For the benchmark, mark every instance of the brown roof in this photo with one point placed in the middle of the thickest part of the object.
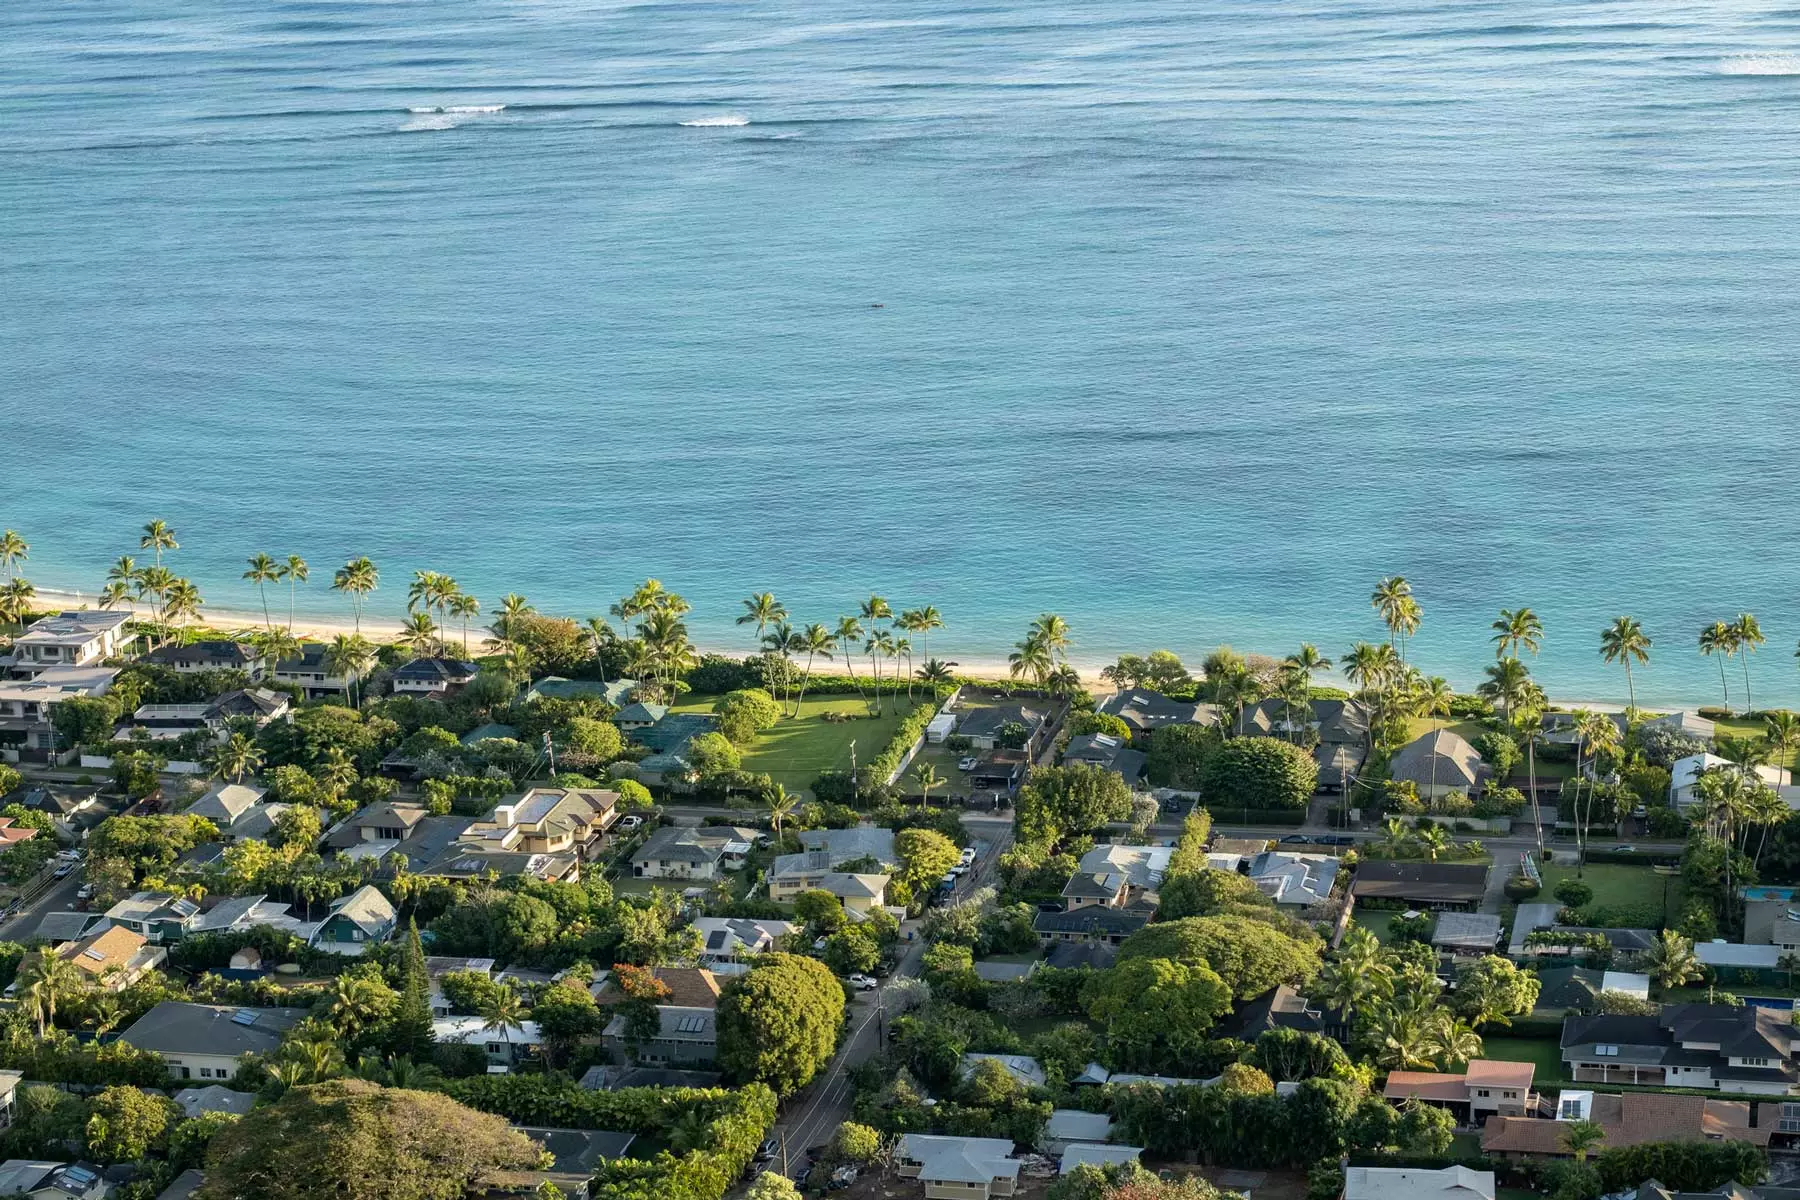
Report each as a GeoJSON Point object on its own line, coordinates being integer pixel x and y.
{"type": "Point", "coordinates": [1631, 1119]}
{"type": "Point", "coordinates": [101, 952]}
{"type": "Point", "coordinates": [1425, 1085]}
{"type": "Point", "coordinates": [689, 987]}
{"type": "Point", "coordinates": [1484, 1072]}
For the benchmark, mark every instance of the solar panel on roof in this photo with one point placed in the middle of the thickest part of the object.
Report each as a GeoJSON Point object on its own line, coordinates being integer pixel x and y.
{"type": "Point", "coordinates": [243, 1016]}
{"type": "Point", "coordinates": [716, 939]}
{"type": "Point", "coordinates": [94, 954]}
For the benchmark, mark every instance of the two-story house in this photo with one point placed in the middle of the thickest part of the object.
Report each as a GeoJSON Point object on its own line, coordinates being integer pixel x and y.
{"type": "Point", "coordinates": [1107, 752]}
{"type": "Point", "coordinates": [554, 820]}
{"type": "Point", "coordinates": [113, 958]}
{"type": "Point", "coordinates": [310, 672]}
{"type": "Point", "coordinates": [498, 852]}
{"type": "Point", "coordinates": [74, 638]}
{"type": "Point", "coordinates": [680, 852]}
{"type": "Point", "coordinates": [1484, 1089]}
{"type": "Point", "coordinates": [434, 677]}
{"type": "Point", "coordinates": [219, 654]}
{"type": "Point", "coordinates": [355, 922]}
{"type": "Point", "coordinates": [686, 1032]}
{"type": "Point", "coordinates": [1708, 1046]}
{"type": "Point", "coordinates": [205, 1041]}
{"type": "Point", "coordinates": [727, 944]}
{"type": "Point", "coordinates": [27, 733]}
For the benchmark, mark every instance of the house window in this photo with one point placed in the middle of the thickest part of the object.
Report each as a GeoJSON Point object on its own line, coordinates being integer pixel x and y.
{"type": "Point", "coordinates": [1606, 1051]}
{"type": "Point", "coordinates": [1482, 1092]}
{"type": "Point", "coordinates": [1756, 1062]}
{"type": "Point", "coordinates": [1790, 1118]}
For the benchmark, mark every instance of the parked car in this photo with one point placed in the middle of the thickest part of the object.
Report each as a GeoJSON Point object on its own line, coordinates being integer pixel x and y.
{"type": "Point", "coordinates": [85, 892]}
{"type": "Point", "coordinates": [1640, 812]}
{"type": "Point", "coordinates": [1335, 839]}
{"type": "Point", "coordinates": [967, 764]}
{"type": "Point", "coordinates": [69, 855]}
{"type": "Point", "coordinates": [1624, 849]}
{"type": "Point", "coordinates": [862, 983]}
{"type": "Point", "coordinates": [843, 1177]}
{"type": "Point", "coordinates": [626, 823]}
{"type": "Point", "coordinates": [1296, 839]}
{"type": "Point", "coordinates": [768, 1150]}
{"type": "Point", "coordinates": [62, 872]}
{"type": "Point", "coordinates": [968, 855]}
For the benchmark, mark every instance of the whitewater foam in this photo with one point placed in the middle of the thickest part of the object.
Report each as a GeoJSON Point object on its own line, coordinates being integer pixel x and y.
{"type": "Point", "coordinates": [458, 109]}
{"type": "Point", "coordinates": [725, 121]}
{"type": "Point", "coordinates": [1760, 64]}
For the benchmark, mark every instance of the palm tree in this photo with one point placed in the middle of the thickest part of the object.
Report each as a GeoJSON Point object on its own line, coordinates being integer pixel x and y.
{"type": "Point", "coordinates": [1516, 629]}
{"type": "Point", "coordinates": [349, 657]}
{"type": "Point", "coordinates": [15, 599]}
{"type": "Point", "coordinates": [602, 635]}
{"type": "Point", "coordinates": [1784, 731]}
{"type": "Point", "coordinates": [51, 978]}
{"type": "Point", "coordinates": [1748, 635]}
{"type": "Point", "coordinates": [1717, 640]}
{"type": "Point", "coordinates": [1393, 599]}
{"type": "Point", "coordinates": [1788, 962]}
{"type": "Point", "coordinates": [1030, 658]}
{"type": "Point", "coordinates": [263, 571]}
{"type": "Point", "coordinates": [924, 621]}
{"type": "Point", "coordinates": [1305, 661]}
{"type": "Point", "coordinates": [335, 771]}
{"type": "Point", "coordinates": [815, 639]}
{"type": "Point", "coordinates": [356, 579]}
{"type": "Point", "coordinates": [237, 756]}
{"type": "Point", "coordinates": [512, 607]}
{"type": "Point", "coordinates": [903, 650]}
{"type": "Point", "coordinates": [1595, 734]}
{"type": "Point", "coordinates": [183, 602]}
{"type": "Point", "coordinates": [13, 550]}
{"type": "Point", "coordinates": [1434, 841]}
{"type": "Point", "coordinates": [501, 1011]}
{"type": "Point", "coordinates": [1452, 1041]}
{"type": "Point", "coordinates": [1357, 975]}
{"type": "Point", "coordinates": [154, 583]}
{"type": "Point", "coordinates": [465, 606]}
{"type": "Point", "coordinates": [1395, 837]}
{"type": "Point", "coordinates": [158, 537]}
{"type": "Point", "coordinates": [276, 645]}
{"type": "Point", "coordinates": [115, 593]}
{"type": "Point", "coordinates": [762, 610]}
{"type": "Point", "coordinates": [1402, 1040]}
{"type": "Point", "coordinates": [420, 633]}
{"type": "Point", "coordinates": [1671, 961]}
{"type": "Point", "coordinates": [879, 646]}
{"type": "Point", "coordinates": [1053, 632]}
{"type": "Point", "coordinates": [850, 631]}
{"type": "Point", "coordinates": [356, 1004]}
{"type": "Point", "coordinates": [1579, 1137]}
{"type": "Point", "coordinates": [935, 671]}
{"type": "Point", "coordinates": [1621, 642]}
{"type": "Point", "coordinates": [926, 777]}
{"type": "Point", "coordinates": [294, 571]}
{"type": "Point", "coordinates": [1505, 684]}
{"type": "Point", "coordinates": [783, 643]}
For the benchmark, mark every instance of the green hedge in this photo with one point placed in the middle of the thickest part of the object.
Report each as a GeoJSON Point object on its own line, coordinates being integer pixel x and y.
{"type": "Point", "coordinates": [1635, 858]}
{"type": "Point", "coordinates": [912, 728]}
{"type": "Point", "coordinates": [1525, 1027]}
{"type": "Point", "coordinates": [736, 1121]}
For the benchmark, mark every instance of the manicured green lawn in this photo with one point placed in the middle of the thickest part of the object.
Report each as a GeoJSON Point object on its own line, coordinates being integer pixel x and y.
{"type": "Point", "coordinates": [797, 750]}
{"type": "Point", "coordinates": [1755, 730]}
{"type": "Point", "coordinates": [1543, 1052]}
{"type": "Point", "coordinates": [1419, 726]}
{"type": "Point", "coordinates": [1376, 923]}
{"type": "Point", "coordinates": [1616, 885]}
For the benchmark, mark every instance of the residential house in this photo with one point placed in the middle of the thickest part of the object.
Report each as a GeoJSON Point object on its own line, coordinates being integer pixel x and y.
{"type": "Point", "coordinates": [61, 803]}
{"type": "Point", "coordinates": [235, 914]}
{"type": "Point", "coordinates": [615, 1078]}
{"type": "Point", "coordinates": [958, 1168]}
{"type": "Point", "coordinates": [1421, 884]}
{"type": "Point", "coordinates": [184, 1185]}
{"type": "Point", "coordinates": [1028, 1071]}
{"type": "Point", "coordinates": [355, 922]}
{"type": "Point", "coordinates": [113, 958]}
{"type": "Point", "coordinates": [860, 893]}
{"type": "Point", "coordinates": [1145, 711]}
{"type": "Point", "coordinates": [1652, 1189]}
{"type": "Point", "coordinates": [1067, 954]}
{"type": "Point", "coordinates": [27, 733]}
{"type": "Point", "coordinates": [437, 966]}
{"type": "Point", "coordinates": [1690, 723]}
{"type": "Point", "coordinates": [1090, 923]}
{"type": "Point", "coordinates": [1342, 727]}
{"type": "Point", "coordinates": [999, 771]}
{"type": "Point", "coordinates": [60, 928]}
{"type": "Point", "coordinates": [433, 677]}
{"type": "Point", "coordinates": [1437, 764]}
{"type": "Point", "coordinates": [507, 1047]}
{"type": "Point", "coordinates": [1685, 775]}
{"type": "Point", "coordinates": [73, 638]}
{"type": "Point", "coordinates": [983, 726]}
{"type": "Point", "coordinates": [1628, 1119]}
{"type": "Point", "coordinates": [489, 730]}
{"type": "Point", "coordinates": [198, 1101]}
{"type": "Point", "coordinates": [639, 716]}
{"type": "Point", "coordinates": [205, 1041]}
{"type": "Point", "coordinates": [1106, 752]}
{"type": "Point", "coordinates": [1140, 867]}
{"type": "Point", "coordinates": [579, 1150]}
{"type": "Point", "coordinates": [496, 854]}
{"type": "Point", "coordinates": [848, 845]}
{"type": "Point", "coordinates": [1705, 1046]}
{"type": "Point", "coordinates": [12, 834]}
{"type": "Point", "coordinates": [1771, 916]}
{"type": "Point", "coordinates": [530, 1185]}
{"type": "Point", "coordinates": [727, 944]}
{"type": "Point", "coordinates": [1530, 918]}
{"type": "Point", "coordinates": [667, 740]}
{"type": "Point", "coordinates": [311, 672]}
{"type": "Point", "coordinates": [226, 804]}
{"type": "Point", "coordinates": [218, 654]}
{"type": "Point", "coordinates": [683, 852]}
{"type": "Point", "coordinates": [1417, 1183]}
{"type": "Point", "coordinates": [376, 830]}
{"type": "Point", "coordinates": [1071, 1126]}
{"type": "Point", "coordinates": [615, 692]}
{"type": "Point", "coordinates": [158, 917]}
{"type": "Point", "coordinates": [1298, 880]}
{"type": "Point", "coordinates": [553, 820]}
{"type": "Point", "coordinates": [1283, 1007]}
{"type": "Point", "coordinates": [41, 1180]}
{"type": "Point", "coordinates": [167, 722]}
{"type": "Point", "coordinates": [1483, 1089]}
{"type": "Point", "coordinates": [686, 1032]}
{"type": "Point", "coordinates": [9, 1085]}
{"type": "Point", "coordinates": [1466, 933]}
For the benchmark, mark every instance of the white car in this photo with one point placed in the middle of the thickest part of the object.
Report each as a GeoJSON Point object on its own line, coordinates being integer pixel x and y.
{"type": "Point", "coordinates": [967, 764]}
{"type": "Point", "coordinates": [630, 822]}
{"type": "Point", "coordinates": [862, 983]}
{"type": "Point", "coordinates": [968, 855]}
{"type": "Point", "coordinates": [959, 870]}
{"type": "Point", "coordinates": [85, 892]}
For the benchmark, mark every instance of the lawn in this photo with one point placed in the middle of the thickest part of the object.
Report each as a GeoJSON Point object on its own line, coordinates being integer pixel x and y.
{"type": "Point", "coordinates": [1617, 885]}
{"type": "Point", "coordinates": [1755, 730]}
{"type": "Point", "coordinates": [1543, 1052]}
{"type": "Point", "coordinates": [1417, 727]}
{"type": "Point", "coordinates": [1376, 923]}
{"type": "Point", "coordinates": [797, 750]}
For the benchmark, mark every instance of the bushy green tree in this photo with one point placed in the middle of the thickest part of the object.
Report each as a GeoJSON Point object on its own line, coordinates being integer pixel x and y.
{"type": "Point", "coordinates": [125, 1123]}
{"type": "Point", "coordinates": [745, 713]}
{"type": "Point", "coordinates": [778, 1021]}
{"type": "Point", "coordinates": [713, 754]}
{"type": "Point", "coordinates": [924, 857]}
{"type": "Point", "coordinates": [1060, 801]}
{"type": "Point", "coordinates": [1259, 772]}
{"type": "Point", "coordinates": [598, 740]}
{"type": "Point", "coordinates": [1250, 956]}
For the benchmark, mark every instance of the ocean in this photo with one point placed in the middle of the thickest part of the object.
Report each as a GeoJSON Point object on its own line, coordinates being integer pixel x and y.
{"type": "Point", "coordinates": [1186, 321]}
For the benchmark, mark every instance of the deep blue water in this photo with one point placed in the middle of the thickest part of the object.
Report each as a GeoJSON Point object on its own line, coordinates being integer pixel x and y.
{"type": "Point", "coordinates": [1197, 318]}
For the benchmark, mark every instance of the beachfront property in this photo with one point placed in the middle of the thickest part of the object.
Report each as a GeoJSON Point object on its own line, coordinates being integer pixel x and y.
{"type": "Point", "coordinates": [1145, 711]}
{"type": "Point", "coordinates": [73, 638]}
{"type": "Point", "coordinates": [213, 718]}
{"type": "Point", "coordinates": [1439, 763]}
{"type": "Point", "coordinates": [433, 676]}
{"type": "Point", "coordinates": [984, 726]}
{"type": "Point", "coordinates": [27, 734]}
{"type": "Point", "coordinates": [210, 654]}
{"type": "Point", "coordinates": [311, 672]}
{"type": "Point", "coordinates": [1685, 775]}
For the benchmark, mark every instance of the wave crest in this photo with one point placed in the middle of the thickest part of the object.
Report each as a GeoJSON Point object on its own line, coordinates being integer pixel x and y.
{"type": "Point", "coordinates": [1760, 64]}
{"type": "Point", "coordinates": [457, 109]}
{"type": "Point", "coordinates": [723, 121]}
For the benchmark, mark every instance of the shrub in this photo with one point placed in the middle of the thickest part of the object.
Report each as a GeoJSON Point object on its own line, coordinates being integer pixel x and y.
{"type": "Point", "coordinates": [1498, 751]}
{"type": "Point", "coordinates": [1519, 888]}
{"type": "Point", "coordinates": [745, 713]}
{"type": "Point", "coordinates": [1574, 893]}
{"type": "Point", "coordinates": [1261, 773]}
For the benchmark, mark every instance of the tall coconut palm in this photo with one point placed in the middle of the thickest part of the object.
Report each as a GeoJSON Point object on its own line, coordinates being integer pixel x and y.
{"type": "Point", "coordinates": [349, 657]}
{"type": "Point", "coordinates": [1402, 1040]}
{"type": "Point", "coordinates": [1053, 632]}
{"type": "Point", "coordinates": [158, 537]}
{"type": "Point", "coordinates": [1622, 642]}
{"type": "Point", "coordinates": [13, 551]}
{"type": "Point", "coordinates": [924, 621]}
{"type": "Point", "coordinates": [1517, 629]}
{"type": "Point", "coordinates": [815, 640]}
{"type": "Point", "coordinates": [182, 603]}
{"type": "Point", "coordinates": [780, 804]}
{"type": "Point", "coordinates": [1357, 976]}
{"type": "Point", "coordinates": [935, 671]}
{"type": "Point", "coordinates": [15, 599]}
{"type": "Point", "coordinates": [1452, 1041]}
{"type": "Point", "coordinates": [783, 642]}
{"type": "Point", "coordinates": [663, 630]}
{"type": "Point", "coordinates": [263, 571]}
{"type": "Point", "coordinates": [275, 645]}
{"type": "Point", "coordinates": [925, 778]}
{"type": "Point", "coordinates": [602, 635]}
{"type": "Point", "coordinates": [848, 633]}
{"type": "Point", "coordinates": [356, 579]}
{"type": "Point", "coordinates": [50, 979]}
{"type": "Point", "coordinates": [762, 610]}
{"type": "Point", "coordinates": [1393, 599]}
{"type": "Point", "coordinates": [236, 757]}
{"type": "Point", "coordinates": [1306, 661]}
{"type": "Point", "coordinates": [1747, 634]}
{"type": "Point", "coordinates": [903, 651]}
{"type": "Point", "coordinates": [1718, 641]}
{"type": "Point", "coordinates": [464, 606]}
{"type": "Point", "coordinates": [1505, 684]}
{"type": "Point", "coordinates": [124, 571]}
{"type": "Point", "coordinates": [1030, 659]}
{"type": "Point", "coordinates": [879, 646]}
{"type": "Point", "coordinates": [115, 594]}
{"type": "Point", "coordinates": [154, 584]}
{"type": "Point", "coordinates": [1595, 734]}
{"type": "Point", "coordinates": [1784, 730]}
{"type": "Point", "coordinates": [295, 571]}
{"type": "Point", "coordinates": [512, 607]}
{"type": "Point", "coordinates": [1526, 713]}
{"type": "Point", "coordinates": [419, 634]}
{"type": "Point", "coordinates": [1671, 962]}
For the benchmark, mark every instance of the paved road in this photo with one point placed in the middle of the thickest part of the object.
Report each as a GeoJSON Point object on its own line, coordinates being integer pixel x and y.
{"type": "Point", "coordinates": [58, 897]}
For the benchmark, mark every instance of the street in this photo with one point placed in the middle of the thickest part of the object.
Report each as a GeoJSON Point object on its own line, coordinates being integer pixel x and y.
{"type": "Point", "coordinates": [58, 897]}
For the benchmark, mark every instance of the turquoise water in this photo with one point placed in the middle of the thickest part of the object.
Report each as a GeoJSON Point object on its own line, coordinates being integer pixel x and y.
{"type": "Point", "coordinates": [1195, 318]}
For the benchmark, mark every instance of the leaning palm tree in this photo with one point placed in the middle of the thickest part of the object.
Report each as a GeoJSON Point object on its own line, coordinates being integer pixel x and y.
{"type": "Point", "coordinates": [1053, 632]}
{"type": "Point", "coordinates": [295, 571]}
{"type": "Point", "coordinates": [1747, 634]}
{"type": "Point", "coordinates": [815, 639]}
{"type": "Point", "coordinates": [780, 804]}
{"type": "Point", "coordinates": [1516, 629]}
{"type": "Point", "coordinates": [762, 610]}
{"type": "Point", "coordinates": [925, 777]}
{"type": "Point", "coordinates": [1621, 642]}
{"type": "Point", "coordinates": [13, 550]}
{"type": "Point", "coordinates": [1783, 730]}
{"type": "Point", "coordinates": [356, 579]}
{"type": "Point", "coordinates": [114, 594]}
{"type": "Point", "coordinates": [183, 602]}
{"type": "Point", "coordinates": [236, 757]}
{"type": "Point", "coordinates": [158, 537]}
{"type": "Point", "coordinates": [1393, 599]}
{"type": "Point", "coordinates": [263, 571]}
{"type": "Point", "coordinates": [15, 599]}
{"type": "Point", "coordinates": [1718, 641]}
{"type": "Point", "coordinates": [349, 657]}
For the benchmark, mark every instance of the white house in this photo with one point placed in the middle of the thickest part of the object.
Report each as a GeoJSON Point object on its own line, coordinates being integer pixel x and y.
{"type": "Point", "coordinates": [958, 1168]}
{"type": "Point", "coordinates": [503, 1046]}
{"type": "Point", "coordinates": [1412, 1183]}
{"type": "Point", "coordinates": [26, 731]}
{"type": "Point", "coordinates": [74, 638]}
{"type": "Point", "coordinates": [727, 944]}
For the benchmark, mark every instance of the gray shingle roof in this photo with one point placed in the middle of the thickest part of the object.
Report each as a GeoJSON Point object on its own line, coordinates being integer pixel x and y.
{"type": "Point", "coordinates": [176, 1027]}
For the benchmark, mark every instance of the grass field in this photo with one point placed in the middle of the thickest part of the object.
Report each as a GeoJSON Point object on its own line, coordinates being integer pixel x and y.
{"type": "Point", "coordinates": [1543, 1052]}
{"type": "Point", "coordinates": [798, 749]}
{"type": "Point", "coordinates": [1419, 726]}
{"type": "Point", "coordinates": [1617, 885]}
{"type": "Point", "coordinates": [1755, 730]}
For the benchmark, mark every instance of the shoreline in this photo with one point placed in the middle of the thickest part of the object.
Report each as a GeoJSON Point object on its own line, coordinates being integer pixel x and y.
{"type": "Point", "coordinates": [384, 629]}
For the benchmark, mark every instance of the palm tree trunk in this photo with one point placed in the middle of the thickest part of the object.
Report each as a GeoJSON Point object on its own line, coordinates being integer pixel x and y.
{"type": "Point", "coordinates": [1630, 691]}
{"type": "Point", "coordinates": [1748, 707]}
{"type": "Point", "coordinates": [1726, 692]}
{"type": "Point", "coordinates": [805, 680]}
{"type": "Point", "coordinates": [263, 591]}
